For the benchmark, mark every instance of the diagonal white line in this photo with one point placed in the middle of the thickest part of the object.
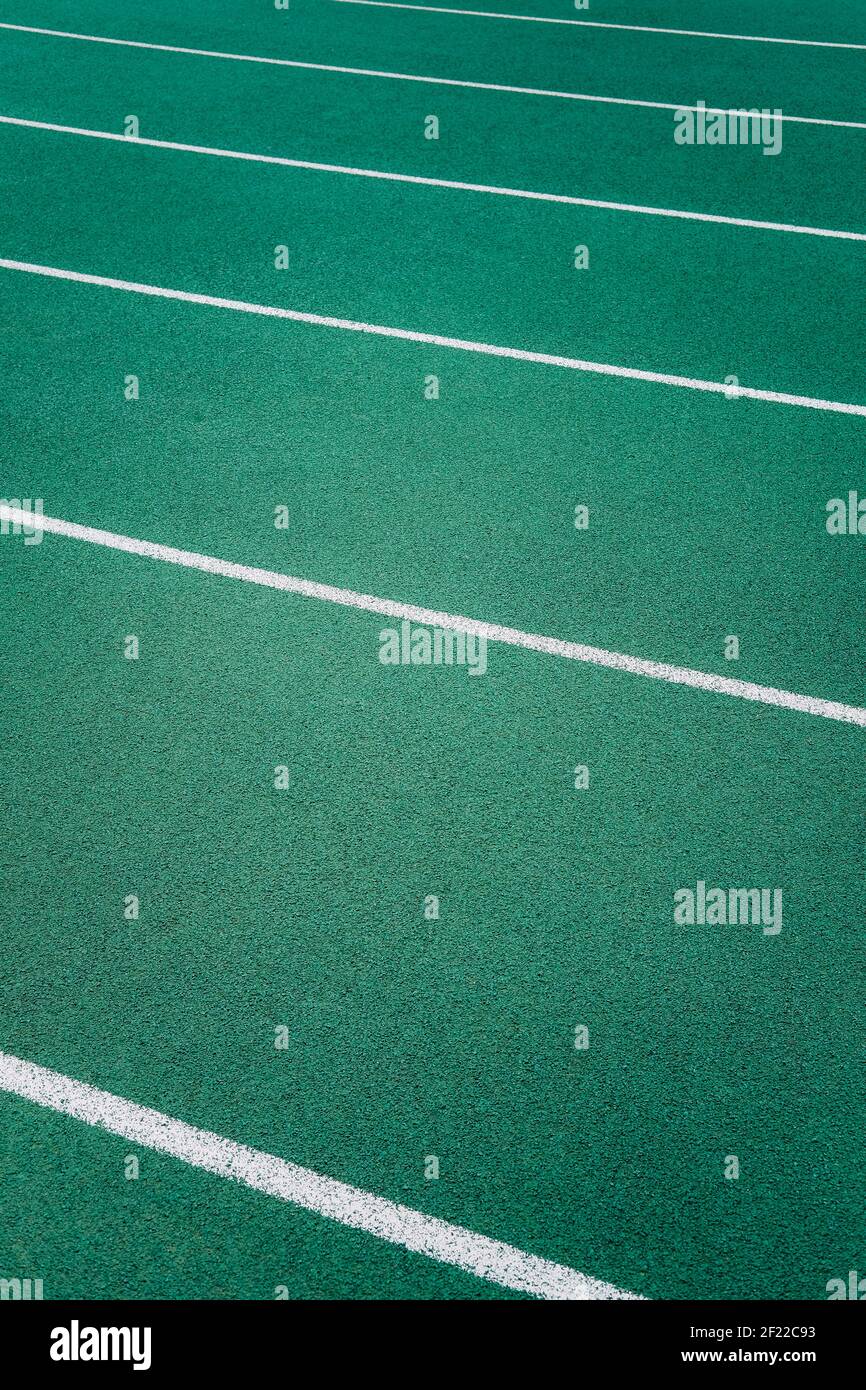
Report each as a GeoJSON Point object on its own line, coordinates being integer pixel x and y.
{"type": "Point", "coordinates": [411, 335]}
{"type": "Point", "coordinates": [599, 24]}
{"type": "Point", "coordinates": [434, 183]}
{"type": "Point", "coordinates": [351, 1206]}
{"type": "Point", "coordinates": [414, 77]}
{"type": "Point", "coordinates": [428, 617]}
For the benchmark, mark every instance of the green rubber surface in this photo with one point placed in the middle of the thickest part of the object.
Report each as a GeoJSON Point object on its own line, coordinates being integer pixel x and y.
{"type": "Point", "coordinates": [305, 907]}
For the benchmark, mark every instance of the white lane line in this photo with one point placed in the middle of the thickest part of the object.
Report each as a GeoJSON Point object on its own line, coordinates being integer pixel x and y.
{"type": "Point", "coordinates": [436, 183]}
{"type": "Point", "coordinates": [598, 24]}
{"type": "Point", "coordinates": [413, 77]}
{"type": "Point", "coordinates": [429, 617]}
{"type": "Point", "coordinates": [351, 1206]}
{"type": "Point", "coordinates": [548, 359]}
{"type": "Point", "coordinates": [409, 335]}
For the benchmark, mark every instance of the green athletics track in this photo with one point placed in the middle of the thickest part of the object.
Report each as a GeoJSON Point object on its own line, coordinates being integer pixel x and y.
{"type": "Point", "coordinates": [300, 907]}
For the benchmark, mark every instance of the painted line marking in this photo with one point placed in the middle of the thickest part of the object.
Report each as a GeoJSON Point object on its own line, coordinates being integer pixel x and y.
{"type": "Point", "coordinates": [409, 335]}
{"type": "Point", "coordinates": [598, 24]}
{"type": "Point", "coordinates": [350, 1206]}
{"type": "Point", "coordinates": [435, 183]}
{"type": "Point", "coordinates": [412, 77]}
{"type": "Point", "coordinates": [428, 617]}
